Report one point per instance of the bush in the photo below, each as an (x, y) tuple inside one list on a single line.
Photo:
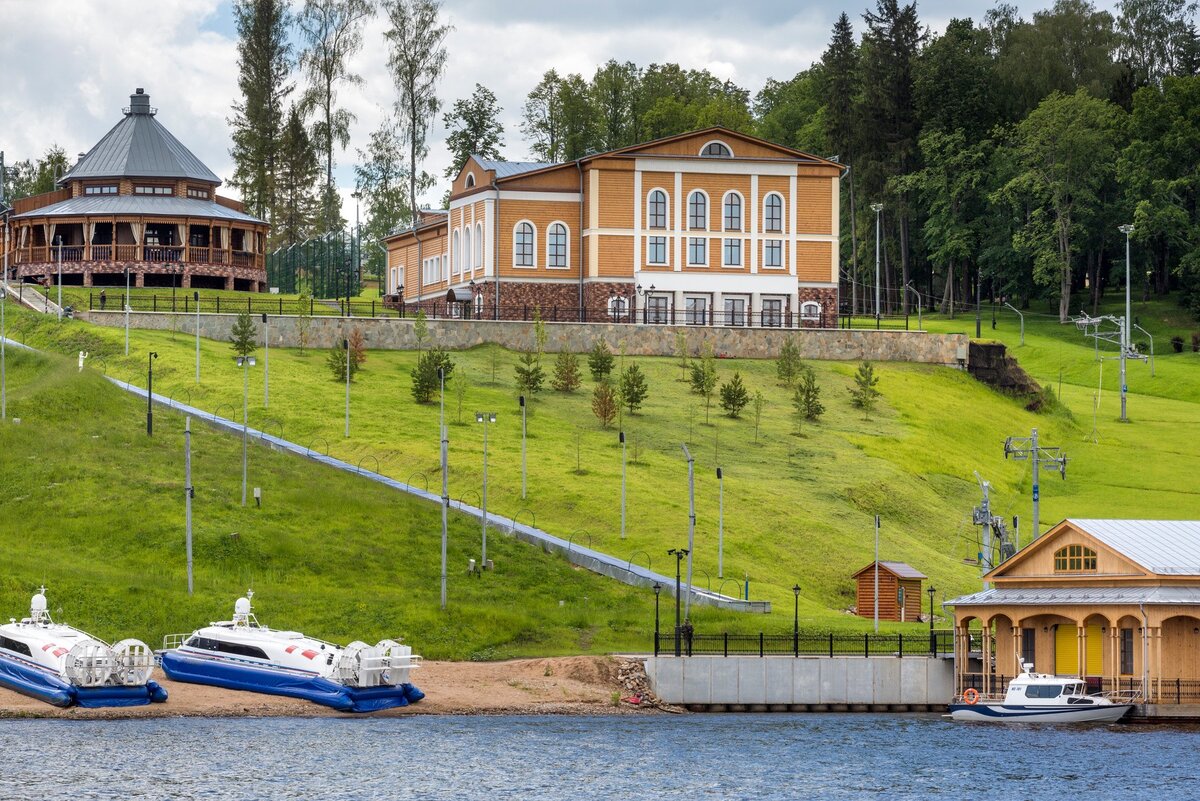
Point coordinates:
[(788, 365), (633, 387), (337, 364), (566, 373), (358, 348), (425, 375), (600, 360), (1177, 343), (864, 394), (604, 403), (704, 377), (808, 396), (734, 396), (529, 374)]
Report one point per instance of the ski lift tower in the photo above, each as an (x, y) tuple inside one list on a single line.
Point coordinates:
[(1112, 329), (994, 533), (1021, 448)]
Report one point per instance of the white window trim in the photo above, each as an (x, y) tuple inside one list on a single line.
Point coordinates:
[(666, 262), (478, 262), (613, 302), (534, 251), (470, 182), (688, 247), (456, 251), (763, 263), (782, 208), (741, 252), (567, 228), (667, 210), (687, 212), (806, 312), (468, 249), (741, 213), (717, 142)]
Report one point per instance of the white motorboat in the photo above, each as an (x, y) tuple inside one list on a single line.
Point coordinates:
[(62, 665), (241, 654), (1041, 698)]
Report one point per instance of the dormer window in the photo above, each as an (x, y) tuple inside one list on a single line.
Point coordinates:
[(470, 180), (717, 150), (1074, 559), (197, 193), (153, 190), (102, 189)]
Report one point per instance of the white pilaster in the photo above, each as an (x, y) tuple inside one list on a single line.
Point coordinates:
[(791, 240), (637, 219), (753, 224), (677, 205)]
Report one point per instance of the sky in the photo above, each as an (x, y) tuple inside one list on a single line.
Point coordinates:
[(69, 66)]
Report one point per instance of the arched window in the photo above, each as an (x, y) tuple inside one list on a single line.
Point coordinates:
[(456, 252), (479, 305), (556, 245), (773, 213), (523, 244), (470, 180), (656, 212), (618, 309), (810, 310), (718, 150), (1074, 559), (697, 211), (466, 251), (478, 244), (733, 212)]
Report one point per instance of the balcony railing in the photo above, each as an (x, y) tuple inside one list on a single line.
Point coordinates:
[(155, 254)]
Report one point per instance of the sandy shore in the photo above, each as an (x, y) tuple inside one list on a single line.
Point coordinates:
[(575, 685)]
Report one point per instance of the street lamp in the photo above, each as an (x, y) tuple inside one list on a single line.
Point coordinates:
[(196, 297), (720, 523), (266, 359), (3, 383), (150, 357), (346, 346), (657, 590), (931, 591), (1126, 229), (522, 401), (486, 418), (622, 438), (126, 310), (796, 620), (691, 523), (445, 447), (877, 208), (245, 362), (918, 296), (678, 553)]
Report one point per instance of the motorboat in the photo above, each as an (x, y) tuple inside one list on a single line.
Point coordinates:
[(241, 654), (1041, 698), (64, 666)]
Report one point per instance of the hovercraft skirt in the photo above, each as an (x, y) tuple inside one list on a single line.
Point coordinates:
[(45, 686)]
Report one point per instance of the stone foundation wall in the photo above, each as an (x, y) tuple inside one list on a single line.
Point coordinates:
[(639, 340), (139, 269)]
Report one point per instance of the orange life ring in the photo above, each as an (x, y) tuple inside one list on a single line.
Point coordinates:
[(971, 696)]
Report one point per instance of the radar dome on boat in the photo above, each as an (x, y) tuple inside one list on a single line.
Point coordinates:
[(37, 603), (241, 606)]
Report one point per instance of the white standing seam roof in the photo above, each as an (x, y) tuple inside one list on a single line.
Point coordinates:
[(139, 204), (1036, 596), (903, 570), (1165, 547), (507, 169)]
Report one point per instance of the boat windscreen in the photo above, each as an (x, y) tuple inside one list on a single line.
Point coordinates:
[(1043, 691)]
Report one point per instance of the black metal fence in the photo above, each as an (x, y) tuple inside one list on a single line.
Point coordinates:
[(934, 643), (183, 302)]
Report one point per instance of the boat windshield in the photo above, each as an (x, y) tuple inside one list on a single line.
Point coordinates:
[(1043, 691)]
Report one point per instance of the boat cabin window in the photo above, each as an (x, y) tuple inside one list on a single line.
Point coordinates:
[(1043, 691), (237, 649), (16, 646)]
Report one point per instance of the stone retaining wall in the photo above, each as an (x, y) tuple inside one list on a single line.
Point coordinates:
[(638, 340)]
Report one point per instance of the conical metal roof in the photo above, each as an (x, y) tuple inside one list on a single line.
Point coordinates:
[(139, 146)]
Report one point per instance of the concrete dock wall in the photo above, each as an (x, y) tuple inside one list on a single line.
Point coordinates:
[(799, 684)]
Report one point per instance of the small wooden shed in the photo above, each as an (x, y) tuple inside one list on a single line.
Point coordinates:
[(899, 592)]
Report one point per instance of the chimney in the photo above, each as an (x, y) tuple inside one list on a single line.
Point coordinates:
[(139, 102)]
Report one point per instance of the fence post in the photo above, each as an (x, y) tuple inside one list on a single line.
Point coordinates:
[(656, 643), (726, 652), (796, 642), (372, 308), (154, 301), (218, 304), (311, 305), (831, 645), (760, 645), (249, 310), (867, 645), (281, 306), (1178, 695), (901, 636)]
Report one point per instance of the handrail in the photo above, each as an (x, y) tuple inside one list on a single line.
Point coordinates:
[(1022, 316)]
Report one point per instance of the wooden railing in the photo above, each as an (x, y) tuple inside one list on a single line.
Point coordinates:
[(157, 254), (39, 201)]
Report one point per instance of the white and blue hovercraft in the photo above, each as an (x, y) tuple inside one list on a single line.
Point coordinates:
[(240, 654), (64, 666)]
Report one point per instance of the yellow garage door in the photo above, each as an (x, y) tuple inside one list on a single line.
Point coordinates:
[(1066, 653)]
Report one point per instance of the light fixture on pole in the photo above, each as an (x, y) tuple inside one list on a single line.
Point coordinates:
[(876, 569), (346, 347), (266, 359), (1022, 448), (487, 418), (245, 362), (657, 589), (126, 311), (445, 448), (678, 553), (691, 526), (796, 620), (878, 209), (720, 523), (196, 297), (931, 591), (621, 435), (58, 241), (918, 296), (150, 357), (522, 401), (3, 379), (189, 493), (1126, 229)]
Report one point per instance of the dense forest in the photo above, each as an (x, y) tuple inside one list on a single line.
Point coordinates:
[(1004, 155)]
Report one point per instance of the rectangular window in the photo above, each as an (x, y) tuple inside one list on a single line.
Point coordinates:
[(733, 253), (154, 190), (695, 311), (197, 193), (656, 310), (773, 253), (697, 250), (1028, 637), (107, 189), (735, 311), (656, 250), (772, 312), (1127, 652)]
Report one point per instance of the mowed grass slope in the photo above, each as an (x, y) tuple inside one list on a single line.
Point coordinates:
[(798, 506)]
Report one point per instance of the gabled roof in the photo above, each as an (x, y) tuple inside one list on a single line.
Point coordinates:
[(507, 169), (899, 569), (1037, 596), (140, 204), (726, 133), (1165, 547), (139, 146)]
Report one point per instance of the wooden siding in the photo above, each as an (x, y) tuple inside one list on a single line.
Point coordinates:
[(541, 214), (615, 257), (564, 179), (691, 145), (814, 261), (1038, 564), (616, 198), (814, 206), (889, 607)]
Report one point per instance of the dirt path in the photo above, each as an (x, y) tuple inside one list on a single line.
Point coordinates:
[(573, 685)]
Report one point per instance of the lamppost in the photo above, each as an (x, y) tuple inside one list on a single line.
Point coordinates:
[(978, 302), (622, 438), (918, 296), (678, 553), (1126, 229), (3, 382), (522, 401), (878, 209), (796, 620), (175, 269), (58, 241), (445, 447), (346, 346), (266, 359), (196, 297), (657, 590), (188, 494), (150, 357), (647, 293), (126, 311), (245, 362), (691, 523), (486, 418), (720, 523), (931, 591)]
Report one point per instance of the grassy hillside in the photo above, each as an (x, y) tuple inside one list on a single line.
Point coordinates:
[(798, 506)]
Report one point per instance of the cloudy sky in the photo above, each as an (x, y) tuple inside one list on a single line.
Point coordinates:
[(70, 65)]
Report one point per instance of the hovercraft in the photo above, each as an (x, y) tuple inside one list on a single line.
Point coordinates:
[(64, 666), (241, 654)]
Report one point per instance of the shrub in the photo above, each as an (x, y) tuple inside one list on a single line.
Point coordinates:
[(604, 403), (529, 374), (566, 373), (420, 329), (864, 393), (734, 396), (358, 348), (788, 365), (1177, 343), (600, 360), (633, 388), (425, 375), (808, 396), (704, 377), (760, 403), (337, 364), (1196, 342)]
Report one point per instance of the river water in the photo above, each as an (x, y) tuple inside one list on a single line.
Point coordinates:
[(723, 757)]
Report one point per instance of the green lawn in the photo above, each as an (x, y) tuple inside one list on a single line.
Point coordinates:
[(798, 507)]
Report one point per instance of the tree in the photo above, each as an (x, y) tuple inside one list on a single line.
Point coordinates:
[(541, 118), (303, 318), (633, 389), (358, 348), (264, 64), (473, 129), (425, 381), (566, 372), (788, 365), (759, 403), (864, 393), (243, 335), (332, 34), (604, 403), (704, 377), (681, 352), (336, 361), (614, 92), (460, 393), (600, 360), (382, 179), (528, 373), (26, 178), (420, 328), (296, 204), (417, 60), (842, 81), (734, 396), (807, 398)]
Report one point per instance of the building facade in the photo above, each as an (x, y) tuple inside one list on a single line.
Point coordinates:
[(711, 227), (139, 201), (899, 592), (1116, 602)]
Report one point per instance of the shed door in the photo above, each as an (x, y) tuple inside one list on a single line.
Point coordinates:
[(1066, 650)]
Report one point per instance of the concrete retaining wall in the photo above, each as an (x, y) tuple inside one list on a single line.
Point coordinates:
[(784, 683), (638, 340)]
